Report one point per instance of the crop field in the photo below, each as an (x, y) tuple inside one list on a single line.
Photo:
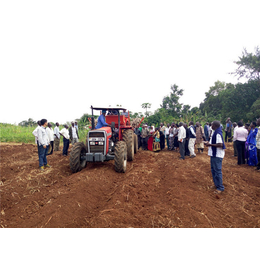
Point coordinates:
[(157, 191), (21, 134)]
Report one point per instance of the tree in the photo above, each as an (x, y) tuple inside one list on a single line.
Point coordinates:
[(254, 111), (248, 65), (171, 102), (146, 106), (29, 122)]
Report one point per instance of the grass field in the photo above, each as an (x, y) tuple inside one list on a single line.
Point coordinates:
[(22, 134)]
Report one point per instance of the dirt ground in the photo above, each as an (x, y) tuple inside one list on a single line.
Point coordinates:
[(157, 191)]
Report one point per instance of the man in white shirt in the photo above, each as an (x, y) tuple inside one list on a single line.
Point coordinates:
[(73, 132), (66, 140), (216, 152), (35, 134), (50, 134), (56, 137), (43, 142), (182, 140), (35, 131), (76, 125)]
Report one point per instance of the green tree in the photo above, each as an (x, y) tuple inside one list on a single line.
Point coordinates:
[(248, 65), (171, 102), (146, 106)]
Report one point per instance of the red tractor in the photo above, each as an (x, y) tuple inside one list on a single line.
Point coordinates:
[(118, 143)]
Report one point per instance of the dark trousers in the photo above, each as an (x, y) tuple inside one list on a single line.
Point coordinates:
[(235, 148), (258, 158), (50, 148), (228, 136), (182, 148), (145, 143), (42, 155), (66, 143), (139, 141), (240, 152), (216, 170), (162, 141), (168, 143), (187, 151)]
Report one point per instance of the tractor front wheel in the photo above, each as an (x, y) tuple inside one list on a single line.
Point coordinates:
[(128, 138), (120, 156), (76, 163)]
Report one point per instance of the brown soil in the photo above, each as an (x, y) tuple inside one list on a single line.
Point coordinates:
[(157, 190)]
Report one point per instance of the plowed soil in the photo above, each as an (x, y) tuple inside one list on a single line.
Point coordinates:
[(157, 191)]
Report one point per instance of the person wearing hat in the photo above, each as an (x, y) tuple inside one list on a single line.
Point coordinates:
[(102, 120)]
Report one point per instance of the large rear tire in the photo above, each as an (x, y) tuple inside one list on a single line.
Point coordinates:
[(135, 143), (120, 156), (76, 164), (128, 138)]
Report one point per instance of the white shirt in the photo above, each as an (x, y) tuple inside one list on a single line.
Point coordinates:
[(50, 134), (74, 133), (220, 153), (181, 133), (57, 132), (35, 133), (234, 138), (65, 133), (167, 130), (42, 136), (241, 134)]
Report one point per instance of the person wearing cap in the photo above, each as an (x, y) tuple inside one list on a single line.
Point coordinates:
[(102, 120), (73, 132)]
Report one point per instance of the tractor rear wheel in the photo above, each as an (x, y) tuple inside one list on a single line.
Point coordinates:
[(135, 143), (76, 164), (120, 156), (128, 138)]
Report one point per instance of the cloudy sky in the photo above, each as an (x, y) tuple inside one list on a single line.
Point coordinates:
[(57, 58)]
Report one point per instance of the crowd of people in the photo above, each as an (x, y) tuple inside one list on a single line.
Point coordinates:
[(176, 137), (48, 139), (183, 138)]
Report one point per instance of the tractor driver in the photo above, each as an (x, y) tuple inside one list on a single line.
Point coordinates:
[(102, 120)]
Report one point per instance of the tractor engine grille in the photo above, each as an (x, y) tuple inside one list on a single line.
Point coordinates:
[(95, 147), (96, 134)]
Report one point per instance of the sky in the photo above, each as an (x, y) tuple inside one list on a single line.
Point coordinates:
[(57, 58)]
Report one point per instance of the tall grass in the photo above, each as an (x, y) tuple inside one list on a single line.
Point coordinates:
[(23, 134), (17, 134)]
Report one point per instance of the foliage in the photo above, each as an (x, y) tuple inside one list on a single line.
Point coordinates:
[(14, 133), (248, 65), (29, 122), (146, 106), (171, 102), (254, 110)]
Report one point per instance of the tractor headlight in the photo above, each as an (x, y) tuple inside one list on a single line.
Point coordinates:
[(92, 143), (100, 143)]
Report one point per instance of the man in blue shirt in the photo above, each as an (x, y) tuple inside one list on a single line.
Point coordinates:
[(102, 120)]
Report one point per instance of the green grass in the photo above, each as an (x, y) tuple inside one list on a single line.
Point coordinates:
[(22, 134), (17, 134)]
